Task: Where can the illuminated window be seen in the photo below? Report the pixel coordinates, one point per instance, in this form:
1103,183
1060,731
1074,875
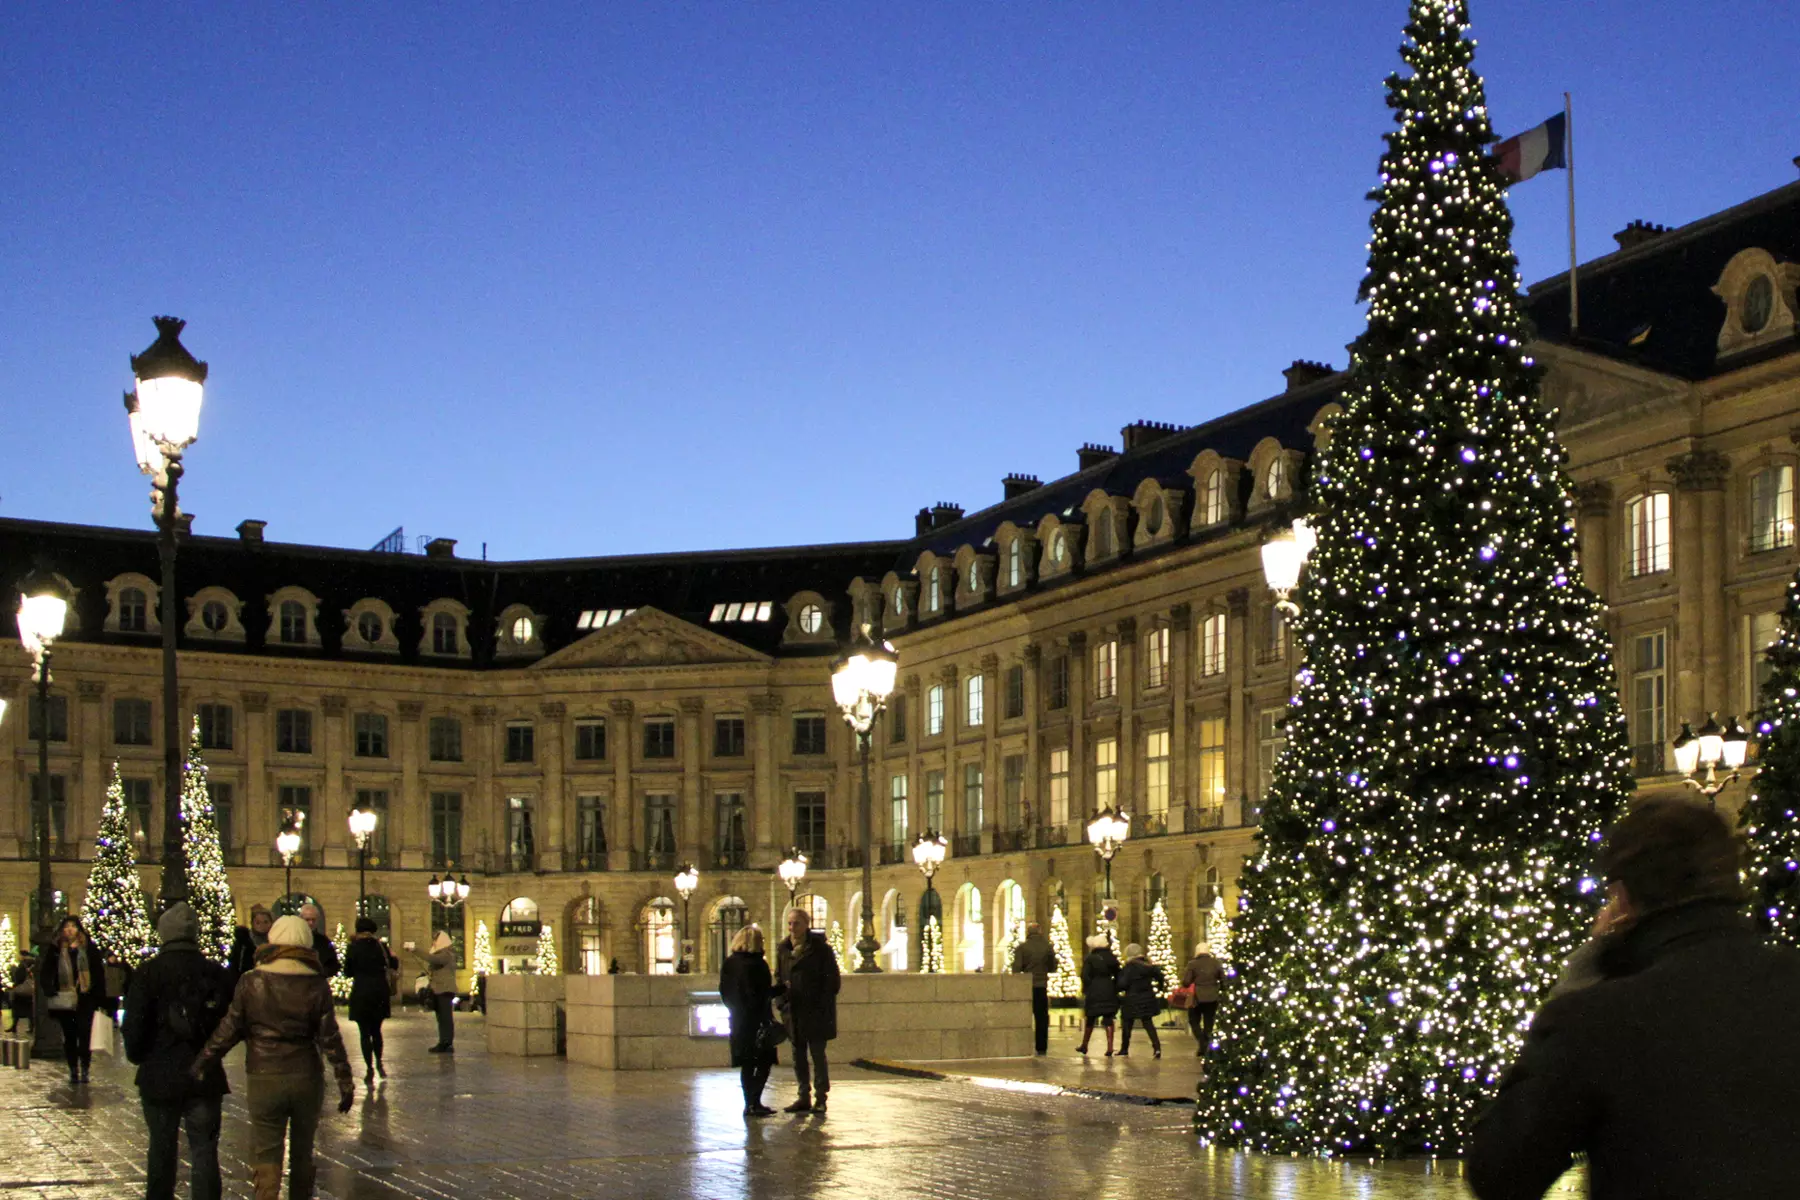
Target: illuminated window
1647,534
1212,499
934,710
1015,563
1106,773
1106,669
1771,510
974,700
1212,763
1156,657
134,609
1059,788
1212,644
1156,773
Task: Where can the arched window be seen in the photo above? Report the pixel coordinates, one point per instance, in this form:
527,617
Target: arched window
292,630
215,616
1103,535
134,610
587,937
899,604
291,904
1153,518
730,916
933,597
816,909
1009,906
1277,479
661,946
931,908
894,945
974,576
1059,548
1212,504
1015,563
443,634
971,930
370,627
376,909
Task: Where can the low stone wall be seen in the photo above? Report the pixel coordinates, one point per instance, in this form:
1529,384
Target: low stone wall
639,1022
525,1014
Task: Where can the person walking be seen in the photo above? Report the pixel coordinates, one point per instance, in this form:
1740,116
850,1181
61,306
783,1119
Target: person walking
1143,985
442,961
1670,1054
367,963
24,990
807,979
1204,973
71,985
283,1011
245,942
322,946
746,987
1036,957
1099,991
173,1005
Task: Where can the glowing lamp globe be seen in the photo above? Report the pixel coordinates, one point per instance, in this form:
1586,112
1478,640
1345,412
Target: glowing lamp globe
1712,741
1284,553
170,387
362,824
792,870
686,880
287,843
929,852
1734,744
1687,750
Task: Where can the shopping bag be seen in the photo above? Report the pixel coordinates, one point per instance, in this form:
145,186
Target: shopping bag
100,1039
1182,997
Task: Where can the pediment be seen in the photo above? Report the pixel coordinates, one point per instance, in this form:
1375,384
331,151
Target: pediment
650,637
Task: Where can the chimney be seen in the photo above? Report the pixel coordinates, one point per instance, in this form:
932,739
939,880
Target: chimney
922,523
184,523
1304,372
1142,433
1637,233
944,513
1017,485
440,548
251,532
1093,454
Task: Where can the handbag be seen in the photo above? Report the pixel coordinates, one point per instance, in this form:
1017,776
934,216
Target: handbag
100,1034
771,1035
1182,997
64,1001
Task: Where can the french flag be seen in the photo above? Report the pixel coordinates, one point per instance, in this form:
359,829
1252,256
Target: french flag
1524,155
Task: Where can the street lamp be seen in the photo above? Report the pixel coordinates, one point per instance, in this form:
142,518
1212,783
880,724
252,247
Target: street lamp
448,892
287,844
1284,552
1107,832
164,412
43,609
686,880
791,871
861,682
1714,746
362,827
928,854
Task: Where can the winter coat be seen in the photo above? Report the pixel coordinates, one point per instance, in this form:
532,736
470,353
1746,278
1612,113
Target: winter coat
49,977
1204,974
746,987
1036,957
243,951
811,979
443,970
1678,1075
162,1054
1144,986
367,963
328,959
1100,983
283,1012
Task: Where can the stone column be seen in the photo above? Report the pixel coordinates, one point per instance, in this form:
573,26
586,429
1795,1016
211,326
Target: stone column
1696,559
621,806
1078,755
483,808
992,785
953,796
1129,797
1240,724
409,824
691,825
1181,667
765,713
553,806
86,793
1031,808
260,823
333,808
14,791
1594,502
915,783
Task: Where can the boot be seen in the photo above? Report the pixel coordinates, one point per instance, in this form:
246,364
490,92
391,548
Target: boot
265,1180
379,1068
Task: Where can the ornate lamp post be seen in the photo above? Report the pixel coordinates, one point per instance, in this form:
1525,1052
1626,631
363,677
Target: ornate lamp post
1284,552
686,880
861,682
287,844
1107,832
791,871
928,854
165,419
448,892
43,608
1714,746
362,827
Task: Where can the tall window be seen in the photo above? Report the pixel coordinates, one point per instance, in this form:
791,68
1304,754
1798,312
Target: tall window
1271,740
975,700
1015,563
293,731
371,735
446,830
809,822
59,810
659,830
809,733
219,796
1012,790
137,805
449,921
1276,479
1156,657
659,737
1056,689
1772,508
933,594
131,722
521,742
134,610
934,801
1106,773
443,633
1106,669
590,832
1103,535
974,806
731,836
1649,702
1156,773
445,740
375,800
728,737
1015,693
897,816
294,805
934,710
59,718
1212,644
897,718
590,739
1764,629
291,625
1212,498
1059,788
521,839
1647,534
215,726
1212,762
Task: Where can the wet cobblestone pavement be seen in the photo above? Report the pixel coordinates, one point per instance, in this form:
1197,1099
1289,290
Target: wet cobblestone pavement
457,1128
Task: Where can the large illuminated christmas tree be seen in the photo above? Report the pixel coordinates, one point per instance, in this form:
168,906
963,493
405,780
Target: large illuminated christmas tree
547,962
1770,824
931,947
482,961
1455,746
114,910
209,892
1065,981
1160,949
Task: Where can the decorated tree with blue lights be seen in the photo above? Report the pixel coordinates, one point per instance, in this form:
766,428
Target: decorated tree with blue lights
1768,819
209,891
1455,745
115,913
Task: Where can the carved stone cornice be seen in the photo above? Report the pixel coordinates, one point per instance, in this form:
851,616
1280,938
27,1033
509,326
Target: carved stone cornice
911,683
411,710
1077,643
553,710
692,705
1700,470
484,712
1593,498
990,662
765,703
256,702
1237,601
622,709
1128,631
947,673
333,706
1034,655
1181,614
90,689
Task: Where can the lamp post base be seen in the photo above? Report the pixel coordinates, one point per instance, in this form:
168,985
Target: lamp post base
868,948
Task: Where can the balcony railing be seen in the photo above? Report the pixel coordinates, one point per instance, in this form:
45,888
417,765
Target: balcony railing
1153,824
653,860
731,858
590,860
965,845
1648,759
60,850
1206,816
893,853
1007,841
1052,835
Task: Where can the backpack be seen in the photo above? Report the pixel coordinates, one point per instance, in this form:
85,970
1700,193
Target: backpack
192,1006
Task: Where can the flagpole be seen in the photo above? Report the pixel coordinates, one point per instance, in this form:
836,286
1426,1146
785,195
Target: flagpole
1574,289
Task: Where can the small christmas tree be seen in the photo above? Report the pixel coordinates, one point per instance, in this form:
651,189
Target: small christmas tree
1065,981
9,945
931,947
835,939
547,963
340,983
209,891
1161,949
1011,938
1220,936
1771,816
114,910
482,962
1108,923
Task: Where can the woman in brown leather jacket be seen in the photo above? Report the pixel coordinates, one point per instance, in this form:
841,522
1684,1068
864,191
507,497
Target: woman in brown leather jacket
283,1010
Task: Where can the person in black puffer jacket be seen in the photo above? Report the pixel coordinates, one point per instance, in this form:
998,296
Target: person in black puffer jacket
1099,990
1144,985
71,987
367,963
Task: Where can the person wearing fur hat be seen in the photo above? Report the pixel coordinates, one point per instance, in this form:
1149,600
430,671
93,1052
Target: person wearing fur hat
173,1005
442,961
1099,990
1142,985
283,1011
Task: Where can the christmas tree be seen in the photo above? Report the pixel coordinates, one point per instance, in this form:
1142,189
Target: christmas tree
1065,981
1161,949
340,983
1011,938
9,945
114,911
931,947
483,961
547,963
1455,745
209,892
835,939
1769,821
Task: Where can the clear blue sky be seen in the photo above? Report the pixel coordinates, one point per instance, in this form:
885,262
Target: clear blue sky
604,278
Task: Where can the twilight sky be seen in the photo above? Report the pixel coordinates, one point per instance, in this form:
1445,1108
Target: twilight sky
577,279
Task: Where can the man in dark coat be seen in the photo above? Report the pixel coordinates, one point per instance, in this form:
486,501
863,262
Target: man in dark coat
808,970
1676,1067
175,1001
322,946
1036,957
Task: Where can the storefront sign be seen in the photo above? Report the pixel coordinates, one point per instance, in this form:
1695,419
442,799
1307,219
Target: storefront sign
707,1016
519,929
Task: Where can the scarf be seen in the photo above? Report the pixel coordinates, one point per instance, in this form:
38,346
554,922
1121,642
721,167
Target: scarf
277,957
72,970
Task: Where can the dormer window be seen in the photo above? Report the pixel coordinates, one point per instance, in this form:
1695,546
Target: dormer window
1276,485
1153,519
134,609
812,619
1212,501
900,604
215,616
600,618
443,633
1059,548
974,576
292,623
1103,536
370,627
1771,510
523,630
749,610
933,600
1015,563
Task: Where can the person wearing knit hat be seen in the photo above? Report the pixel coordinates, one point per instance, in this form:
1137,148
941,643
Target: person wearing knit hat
283,1011
1099,990
173,1004
442,961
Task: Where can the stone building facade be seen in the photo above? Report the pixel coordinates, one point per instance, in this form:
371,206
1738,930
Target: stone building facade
566,733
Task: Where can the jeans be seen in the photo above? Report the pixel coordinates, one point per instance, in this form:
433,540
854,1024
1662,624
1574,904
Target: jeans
1200,1021
370,1032
285,1108
803,1075
1040,1018
1149,1024
77,1029
163,1121
445,1002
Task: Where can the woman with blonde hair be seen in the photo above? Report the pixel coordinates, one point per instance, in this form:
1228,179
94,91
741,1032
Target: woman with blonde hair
746,987
1204,974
